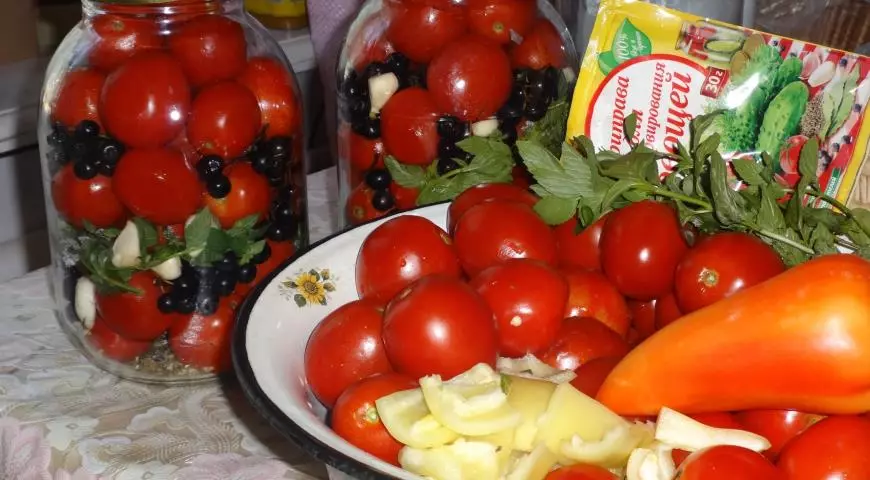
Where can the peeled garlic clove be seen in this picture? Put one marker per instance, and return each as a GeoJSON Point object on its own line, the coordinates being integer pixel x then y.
{"type": "Point", "coordinates": [125, 250]}
{"type": "Point", "coordinates": [381, 88]}
{"type": "Point", "coordinates": [169, 270]}
{"type": "Point", "coordinates": [822, 75]}
{"type": "Point", "coordinates": [484, 128]}
{"type": "Point", "coordinates": [86, 302]}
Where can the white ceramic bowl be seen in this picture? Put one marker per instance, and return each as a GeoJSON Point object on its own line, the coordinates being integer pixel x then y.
{"type": "Point", "coordinates": [272, 330]}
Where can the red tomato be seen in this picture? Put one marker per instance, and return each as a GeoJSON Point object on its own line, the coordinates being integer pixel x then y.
{"type": "Point", "coordinates": [359, 208]}
{"type": "Point", "coordinates": [370, 44]}
{"type": "Point", "coordinates": [158, 185]}
{"type": "Point", "coordinates": [830, 449]}
{"type": "Point", "coordinates": [365, 153]}
{"type": "Point", "coordinates": [470, 79]}
{"type": "Point", "coordinates": [420, 31]}
{"type": "Point", "coordinates": [581, 472]}
{"type": "Point", "coordinates": [401, 251]}
{"type": "Point", "coordinates": [643, 317]}
{"type": "Point", "coordinates": [211, 48]}
{"type": "Point", "coordinates": [148, 113]}
{"type": "Point", "coordinates": [406, 198]}
{"type": "Point", "coordinates": [273, 87]}
{"type": "Point", "coordinates": [777, 426]}
{"type": "Point", "coordinates": [224, 120]}
{"type": "Point", "coordinates": [114, 346]}
{"type": "Point", "coordinates": [345, 348]}
{"type": "Point", "coordinates": [491, 232]}
{"type": "Point", "coordinates": [249, 195]}
{"type": "Point", "coordinates": [119, 37]}
{"type": "Point", "coordinates": [591, 374]}
{"type": "Point", "coordinates": [408, 126]}
{"type": "Point", "coordinates": [135, 316]}
{"type": "Point", "coordinates": [78, 97]}
{"type": "Point", "coordinates": [581, 340]}
{"type": "Point", "coordinates": [720, 266]}
{"type": "Point", "coordinates": [592, 295]}
{"type": "Point", "coordinates": [521, 177]}
{"type": "Point", "coordinates": [79, 201]}
{"type": "Point", "coordinates": [355, 416]}
{"type": "Point", "coordinates": [497, 19]}
{"type": "Point", "coordinates": [526, 297]}
{"type": "Point", "coordinates": [203, 341]}
{"type": "Point", "coordinates": [484, 193]}
{"type": "Point", "coordinates": [542, 47]}
{"type": "Point", "coordinates": [641, 245]}
{"type": "Point", "coordinates": [667, 311]}
{"type": "Point", "coordinates": [580, 250]}
{"type": "Point", "coordinates": [439, 325]}
{"type": "Point", "coordinates": [728, 463]}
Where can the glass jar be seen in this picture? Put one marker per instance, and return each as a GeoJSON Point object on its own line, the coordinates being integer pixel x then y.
{"type": "Point", "coordinates": [434, 94]}
{"type": "Point", "coordinates": [171, 141]}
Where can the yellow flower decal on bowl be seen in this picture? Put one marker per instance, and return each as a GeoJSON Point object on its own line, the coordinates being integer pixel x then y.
{"type": "Point", "coordinates": [308, 288]}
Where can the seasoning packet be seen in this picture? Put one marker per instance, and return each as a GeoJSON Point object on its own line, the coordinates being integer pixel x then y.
{"type": "Point", "coordinates": [667, 67]}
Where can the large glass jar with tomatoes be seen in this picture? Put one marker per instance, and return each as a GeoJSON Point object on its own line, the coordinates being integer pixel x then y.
{"type": "Point", "coordinates": [172, 153]}
{"type": "Point", "coordinates": [434, 94]}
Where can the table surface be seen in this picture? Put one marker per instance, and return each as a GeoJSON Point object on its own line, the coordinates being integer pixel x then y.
{"type": "Point", "coordinates": [61, 418]}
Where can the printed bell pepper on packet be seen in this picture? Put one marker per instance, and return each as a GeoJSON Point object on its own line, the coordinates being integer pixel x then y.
{"type": "Point", "coordinates": [668, 67]}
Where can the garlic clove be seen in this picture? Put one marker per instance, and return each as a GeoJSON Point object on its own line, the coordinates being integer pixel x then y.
{"type": "Point", "coordinates": [169, 270]}
{"type": "Point", "coordinates": [381, 89]}
{"type": "Point", "coordinates": [86, 302]}
{"type": "Point", "coordinates": [125, 250]}
{"type": "Point", "coordinates": [484, 128]}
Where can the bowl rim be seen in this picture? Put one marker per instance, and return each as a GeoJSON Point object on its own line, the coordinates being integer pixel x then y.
{"type": "Point", "coordinates": [257, 398]}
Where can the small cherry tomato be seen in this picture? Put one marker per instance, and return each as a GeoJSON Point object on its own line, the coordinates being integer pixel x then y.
{"type": "Point", "coordinates": [355, 417]}
{"type": "Point", "coordinates": [439, 325]}
{"type": "Point", "coordinates": [720, 266]}
{"type": "Point", "coordinates": [711, 419]}
{"type": "Point", "coordinates": [344, 348]}
{"type": "Point", "coordinates": [667, 311]}
{"type": "Point", "coordinates": [135, 316]}
{"type": "Point", "coordinates": [830, 449]}
{"type": "Point", "coordinates": [483, 193]}
{"type": "Point", "coordinates": [471, 78]}
{"type": "Point", "coordinates": [777, 426]}
{"type": "Point", "coordinates": [365, 153]}
{"type": "Point", "coordinates": [591, 375]}
{"type": "Point", "coordinates": [270, 82]}
{"type": "Point", "coordinates": [146, 113]}
{"type": "Point", "coordinates": [79, 201]}
{"type": "Point", "coordinates": [370, 43]}
{"type": "Point", "coordinates": [211, 48]}
{"type": "Point", "coordinates": [498, 19]}
{"type": "Point", "coordinates": [643, 318]}
{"type": "Point", "coordinates": [78, 97]}
{"type": "Point", "coordinates": [592, 295]}
{"type": "Point", "coordinates": [641, 245]}
{"type": "Point", "coordinates": [114, 346]}
{"type": "Point", "coordinates": [158, 185]}
{"type": "Point", "coordinates": [249, 195]}
{"type": "Point", "coordinates": [542, 47]}
{"type": "Point", "coordinates": [580, 249]}
{"type": "Point", "coordinates": [581, 340]}
{"type": "Point", "coordinates": [408, 126]}
{"type": "Point", "coordinates": [119, 37]}
{"type": "Point", "coordinates": [581, 472]}
{"type": "Point", "coordinates": [203, 341]}
{"type": "Point", "coordinates": [406, 198]}
{"type": "Point", "coordinates": [420, 31]}
{"type": "Point", "coordinates": [401, 251]}
{"type": "Point", "coordinates": [728, 462]}
{"type": "Point", "coordinates": [224, 120]}
{"type": "Point", "coordinates": [526, 297]}
{"type": "Point", "coordinates": [491, 232]}
{"type": "Point", "coordinates": [360, 206]}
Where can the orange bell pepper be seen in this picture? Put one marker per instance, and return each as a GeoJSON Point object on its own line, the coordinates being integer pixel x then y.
{"type": "Point", "coordinates": [800, 340]}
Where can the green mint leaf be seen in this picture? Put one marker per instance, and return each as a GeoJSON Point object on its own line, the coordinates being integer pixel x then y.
{"type": "Point", "coordinates": [586, 216]}
{"type": "Point", "coordinates": [808, 163]}
{"type": "Point", "coordinates": [861, 217]}
{"type": "Point", "coordinates": [197, 231]}
{"type": "Point", "coordinates": [748, 170]}
{"type": "Point", "coordinates": [437, 191]}
{"type": "Point", "coordinates": [607, 62]}
{"type": "Point", "coordinates": [638, 165]}
{"type": "Point", "coordinates": [217, 245]}
{"type": "Point", "coordinates": [252, 251]}
{"type": "Point", "coordinates": [616, 191]}
{"type": "Point", "coordinates": [481, 146]}
{"type": "Point", "coordinates": [768, 167]}
{"type": "Point", "coordinates": [408, 176]}
{"type": "Point", "coordinates": [790, 256]}
{"type": "Point", "coordinates": [147, 233]}
{"type": "Point", "coordinates": [492, 164]}
{"type": "Point", "coordinates": [629, 126]}
{"type": "Point", "coordinates": [698, 128]}
{"type": "Point", "coordinates": [822, 240]}
{"type": "Point", "coordinates": [729, 208]}
{"type": "Point", "coordinates": [853, 230]}
{"type": "Point", "coordinates": [550, 130]}
{"type": "Point", "coordinates": [635, 196]}
{"type": "Point", "coordinates": [555, 210]}
{"type": "Point", "coordinates": [552, 175]}
{"type": "Point", "coordinates": [243, 226]}
{"type": "Point", "coordinates": [769, 213]}
{"type": "Point", "coordinates": [629, 42]}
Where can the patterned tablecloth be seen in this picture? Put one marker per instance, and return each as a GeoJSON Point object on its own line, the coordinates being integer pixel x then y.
{"type": "Point", "coordinates": [63, 419]}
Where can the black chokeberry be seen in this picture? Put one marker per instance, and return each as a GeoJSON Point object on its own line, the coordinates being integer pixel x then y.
{"type": "Point", "coordinates": [535, 110]}
{"type": "Point", "coordinates": [185, 285]}
{"type": "Point", "coordinates": [513, 108]}
{"type": "Point", "coordinates": [81, 150]}
{"type": "Point", "coordinates": [209, 166]}
{"type": "Point", "coordinates": [230, 263]}
{"type": "Point", "coordinates": [509, 132]}
{"type": "Point", "coordinates": [218, 186]}
{"type": "Point", "coordinates": [413, 79]}
{"type": "Point", "coordinates": [110, 151]}
{"type": "Point", "coordinates": [521, 76]}
{"type": "Point", "coordinates": [264, 254]}
{"type": "Point", "coordinates": [398, 63]}
{"type": "Point", "coordinates": [379, 179]}
{"type": "Point", "coordinates": [59, 137]}
{"type": "Point", "coordinates": [451, 128]}
{"type": "Point", "coordinates": [59, 156]}
{"type": "Point", "coordinates": [358, 108]}
{"type": "Point", "coordinates": [279, 147]}
{"type": "Point", "coordinates": [277, 169]}
{"type": "Point", "coordinates": [87, 129]}
{"type": "Point", "coordinates": [278, 233]}
{"type": "Point", "coordinates": [224, 284]}
{"type": "Point", "coordinates": [166, 304]}
{"type": "Point", "coordinates": [260, 162]}
{"type": "Point", "coordinates": [85, 170]}
{"type": "Point", "coordinates": [446, 165]}
{"type": "Point", "coordinates": [367, 126]}
{"type": "Point", "coordinates": [247, 273]}
{"type": "Point", "coordinates": [383, 200]}
{"type": "Point", "coordinates": [449, 150]}
{"type": "Point", "coordinates": [374, 69]}
{"type": "Point", "coordinates": [207, 304]}
{"type": "Point", "coordinates": [354, 87]}
{"type": "Point", "coordinates": [283, 214]}
{"type": "Point", "coordinates": [551, 83]}
{"type": "Point", "coordinates": [186, 305]}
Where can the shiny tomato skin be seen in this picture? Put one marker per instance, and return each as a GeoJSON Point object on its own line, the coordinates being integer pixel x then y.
{"type": "Point", "coordinates": [365, 153]}
{"type": "Point", "coordinates": [641, 245]}
{"type": "Point", "coordinates": [470, 78]}
{"type": "Point", "coordinates": [150, 113]}
{"type": "Point", "coordinates": [158, 185]}
{"type": "Point", "coordinates": [526, 297]}
{"type": "Point", "coordinates": [211, 48]}
{"type": "Point", "coordinates": [273, 87]}
{"type": "Point", "coordinates": [78, 97]}
{"type": "Point", "coordinates": [541, 47]}
{"type": "Point", "coordinates": [79, 201]}
{"type": "Point", "coordinates": [135, 316]}
{"type": "Point", "coordinates": [344, 348]}
{"type": "Point", "coordinates": [114, 346]}
{"type": "Point", "coordinates": [591, 375]}
{"type": "Point", "coordinates": [203, 341]}
{"type": "Point", "coordinates": [581, 472]}
{"type": "Point", "coordinates": [833, 448]}
{"type": "Point", "coordinates": [643, 318]}
{"type": "Point", "coordinates": [401, 251]}
{"type": "Point", "coordinates": [581, 340]}
{"type": "Point", "coordinates": [359, 208]}
{"type": "Point", "coordinates": [421, 31]}
{"type": "Point", "coordinates": [249, 195]}
{"type": "Point", "coordinates": [492, 232]}
{"type": "Point", "coordinates": [355, 416]}
{"type": "Point", "coordinates": [406, 198]}
{"type": "Point", "coordinates": [224, 120]}
{"type": "Point", "coordinates": [119, 37]}
{"type": "Point", "coordinates": [580, 250]}
{"type": "Point", "coordinates": [370, 43]}
{"type": "Point", "coordinates": [720, 266]}
{"type": "Point", "coordinates": [497, 19]}
{"type": "Point", "coordinates": [439, 325]}
{"type": "Point", "coordinates": [777, 426]}
{"type": "Point", "coordinates": [728, 462]}
{"type": "Point", "coordinates": [667, 311]}
{"type": "Point", "coordinates": [592, 295]}
{"type": "Point", "coordinates": [483, 193]}
{"type": "Point", "coordinates": [408, 126]}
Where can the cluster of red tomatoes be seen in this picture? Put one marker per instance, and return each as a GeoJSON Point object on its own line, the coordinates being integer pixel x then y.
{"type": "Point", "coordinates": [500, 282]}
{"type": "Point", "coordinates": [442, 66]}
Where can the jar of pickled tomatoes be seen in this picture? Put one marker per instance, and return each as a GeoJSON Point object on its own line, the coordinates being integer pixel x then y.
{"type": "Point", "coordinates": [434, 94]}
{"type": "Point", "coordinates": [172, 152]}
